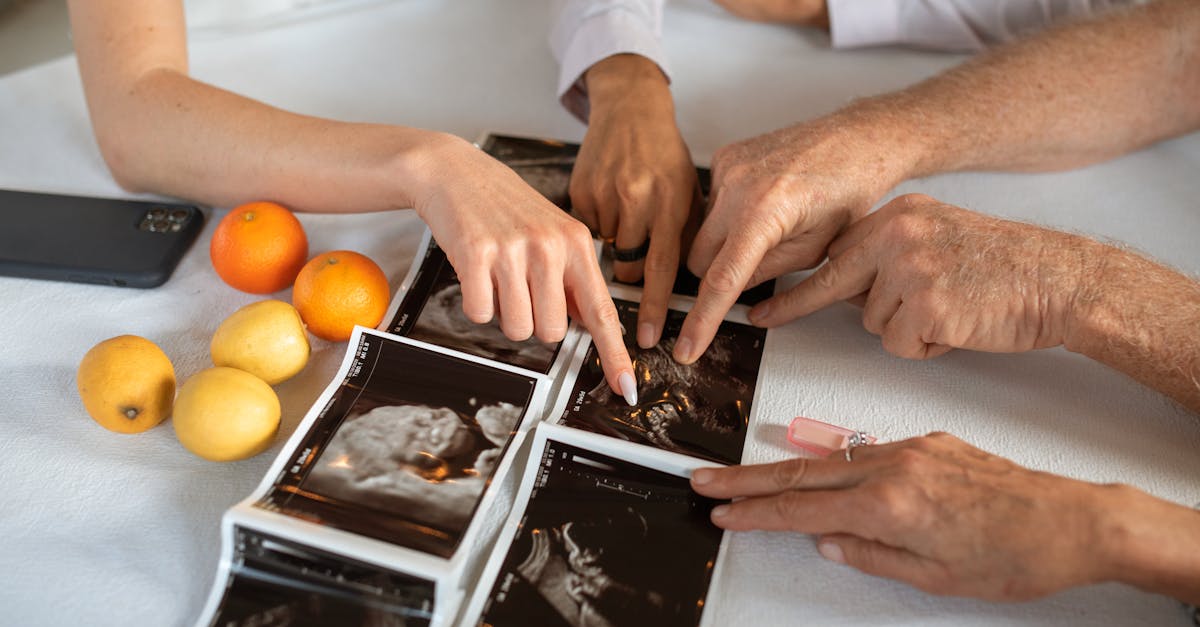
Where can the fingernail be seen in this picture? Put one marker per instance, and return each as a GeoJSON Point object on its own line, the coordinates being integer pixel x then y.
{"type": "Point", "coordinates": [701, 476]}
{"type": "Point", "coordinates": [683, 350]}
{"type": "Point", "coordinates": [628, 388]}
{"type": "Point", "coordinates": [759, 312]}
{"type": "Point", "coordinates": [645, 336]}
{"type": "Point", "coordinates": [720, 511]}
{"type": "Point", "coordinates": [831, 552]}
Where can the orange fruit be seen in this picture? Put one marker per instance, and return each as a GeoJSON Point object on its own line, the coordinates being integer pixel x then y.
{"type": "Point", "coordinates": [259, 247]}
{"type": "Point", "coordinates": [337, 290]}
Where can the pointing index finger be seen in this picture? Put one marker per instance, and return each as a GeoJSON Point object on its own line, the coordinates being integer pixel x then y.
{"type": "Point", "coordinates": [720, 287]}
{"type": "Point", "coordinates": [599, 316]}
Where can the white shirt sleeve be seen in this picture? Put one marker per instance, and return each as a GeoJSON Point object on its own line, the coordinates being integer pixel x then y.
{"type": "Point", "coordinates": [588, 31]}
{"type": "Point", "coordinates": [950, 24]}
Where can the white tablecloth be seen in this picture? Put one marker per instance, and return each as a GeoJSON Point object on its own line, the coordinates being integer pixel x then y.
{"type": "Point", "coordinates": [103, 529]}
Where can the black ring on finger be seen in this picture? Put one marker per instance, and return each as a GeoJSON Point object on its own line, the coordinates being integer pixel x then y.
{"type": "Point", "coordinates": [631, 254]}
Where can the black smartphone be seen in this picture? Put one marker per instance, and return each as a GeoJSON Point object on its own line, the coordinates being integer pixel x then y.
{"type": "Point", "coordinates": [107, 241]}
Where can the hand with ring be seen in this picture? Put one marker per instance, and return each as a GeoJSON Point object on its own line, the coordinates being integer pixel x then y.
{"type": "Point", "coordinates": [951, 519]}
{"type": "Point", "coordinates": [634, 180]}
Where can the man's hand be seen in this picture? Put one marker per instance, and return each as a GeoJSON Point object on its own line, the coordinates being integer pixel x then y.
{"type": "Point", "coordinates": [936, 277]}
{"type": "Point", "coordinates": [777, 202]}
{"type": "Point", "coordinates": [512, 248]}
{"type": "Point", "coordinates": [951, 519]}
{"type": "Point", "coordinates": [800, 12]}
{"type": "Point", "coordinates": [633, 179]}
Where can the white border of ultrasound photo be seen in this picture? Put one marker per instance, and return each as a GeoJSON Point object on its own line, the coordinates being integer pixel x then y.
{"type": "Point", "coordinates": [447, 573]}
{"type": "Point", "coordinates": [630, 293]}
{"type": "Point", "coordinates": [448, 599]}
{"type": "Point", "coordinates": [664, 461]}
{"type": "Point", "coordinates": [560, 360]}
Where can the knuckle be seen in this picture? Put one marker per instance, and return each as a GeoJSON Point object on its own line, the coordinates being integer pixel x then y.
{"type": "Point", "coordinates": [578, 234]}
{"type": "Point", "coordinates": [789, 474]}
{"type": "Point", "coordinates": [633, 187]}
{"type": "Point", "coordinates": [605, 315]}
{"type": "Point", "coordinates": [783, 506]}
{"type": "Point", "coordinates": [723, 279]}
{"type": "Point", "coordinates": [909, 226]}
{"type": "Point", "coordinates": [912, 459]}
{"type": "Point", "coordinates": [826, 277]}
{"type": "Point", "coordinates": [909, 201]}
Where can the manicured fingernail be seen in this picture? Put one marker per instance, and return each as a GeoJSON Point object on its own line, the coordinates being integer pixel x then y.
{"type": "Point", "coordinates": [628, 388]}
{"type": "Point", "coordinates": [720, 511]}
{"type": "Point", "coordinates": [683, 350]}
{"type": "Point", "coordinates": [645, 335]}
{"type": "Point", "coordinates": [831, 552]}
{"type": "Point", "coordinates": [759, 312]}
{"type": "Point", "coordinates": [701, 476]}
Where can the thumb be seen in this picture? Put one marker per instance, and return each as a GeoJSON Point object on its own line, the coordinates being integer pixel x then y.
{"type": "Point", "coordinates": [881, 560]}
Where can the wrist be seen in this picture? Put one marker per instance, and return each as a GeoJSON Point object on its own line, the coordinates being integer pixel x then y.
{"type": "Point", "coordinates": [627, 78]}
{"type": "Point", "coordinates": [889, 150]}
{"type": "Point", "coordinates": [1091, 320]}
{"type": "Point", "coordinates": [1147, 542]}
{"type": "Point", "coordinates": [424, 165]}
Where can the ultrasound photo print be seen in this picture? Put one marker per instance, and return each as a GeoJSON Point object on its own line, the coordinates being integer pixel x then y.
{"type": "Point", "coordinates": [701, 410]}
{"type": "Point", "coordinates": [432, 312]}
{"type": "Point", "coordinates": [544, 164]}
{"type": "Point", "coordinates": [605, 542]}
{"type": "Point", "coordinates": [277, 582]}
{"type": "Point", "coordinates": [406, 446]}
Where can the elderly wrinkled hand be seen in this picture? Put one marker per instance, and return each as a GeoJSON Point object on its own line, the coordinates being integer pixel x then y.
{"type": "Point", "coordinates": [939, 514]}
{"type": "Point", "coordinates": [936, 277]}
{"type": "Point", "coordinates": [777, 201]}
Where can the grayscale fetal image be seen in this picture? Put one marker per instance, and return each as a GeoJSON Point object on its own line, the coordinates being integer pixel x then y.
{"type": "Point", "coordinates": [701, 409]}
{"type": "Point", "coordinates": [406, 446]}
{"type": "Point", "coordinates": [605, 543]}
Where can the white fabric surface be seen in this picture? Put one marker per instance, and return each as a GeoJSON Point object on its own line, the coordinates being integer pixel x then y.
{"type": "Point", "coordinates": [105, 529]}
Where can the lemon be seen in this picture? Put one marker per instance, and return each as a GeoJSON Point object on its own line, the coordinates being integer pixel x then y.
{"type": "Point", "coordinates": [127, 384]}
{"type": "Point", "coordinates": [266, 339]}
{"type": "Point", "coordinates": [225, 414]}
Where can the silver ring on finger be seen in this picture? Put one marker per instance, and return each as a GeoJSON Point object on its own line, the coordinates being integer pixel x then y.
{"type": "Point", "coordinates": [856, 439]}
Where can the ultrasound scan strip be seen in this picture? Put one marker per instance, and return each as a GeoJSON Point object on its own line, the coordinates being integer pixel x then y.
{"type": "Point", "coordinates": [700, 410]}
{"type": "Point", "coordinates": [274, 581]}
{"type": "Point", "coordinates": [601, 541]}
{"type": "Point", "coordinates": [406, 445]}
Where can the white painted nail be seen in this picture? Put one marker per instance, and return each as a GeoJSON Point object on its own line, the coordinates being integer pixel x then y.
{"type": "Point", "coordinates": [628, 388]}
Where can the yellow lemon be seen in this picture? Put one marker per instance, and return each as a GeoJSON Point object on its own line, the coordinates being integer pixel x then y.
{"type": "Point", "coordinates": [266, 339]}
{"type": "Point", "coordinates": [225, 414]}
{"type": "Point", "coordinates": [126, 383]}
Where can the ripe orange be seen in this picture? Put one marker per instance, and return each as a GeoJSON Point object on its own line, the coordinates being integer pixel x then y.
{"type": "Point", "coordinates": [337, 290]}
{"type": "Point", "coordinates": [259, 248]}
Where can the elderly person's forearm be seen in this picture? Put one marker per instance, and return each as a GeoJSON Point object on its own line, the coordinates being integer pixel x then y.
{"type": "Point", "coordinates": [1141, 318]}
{"type": "Point", "coordinates": [1058, 100]}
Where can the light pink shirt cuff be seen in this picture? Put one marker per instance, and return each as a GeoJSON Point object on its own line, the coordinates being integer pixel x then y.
{"type": "Point", "coordinates": [597, 37]}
